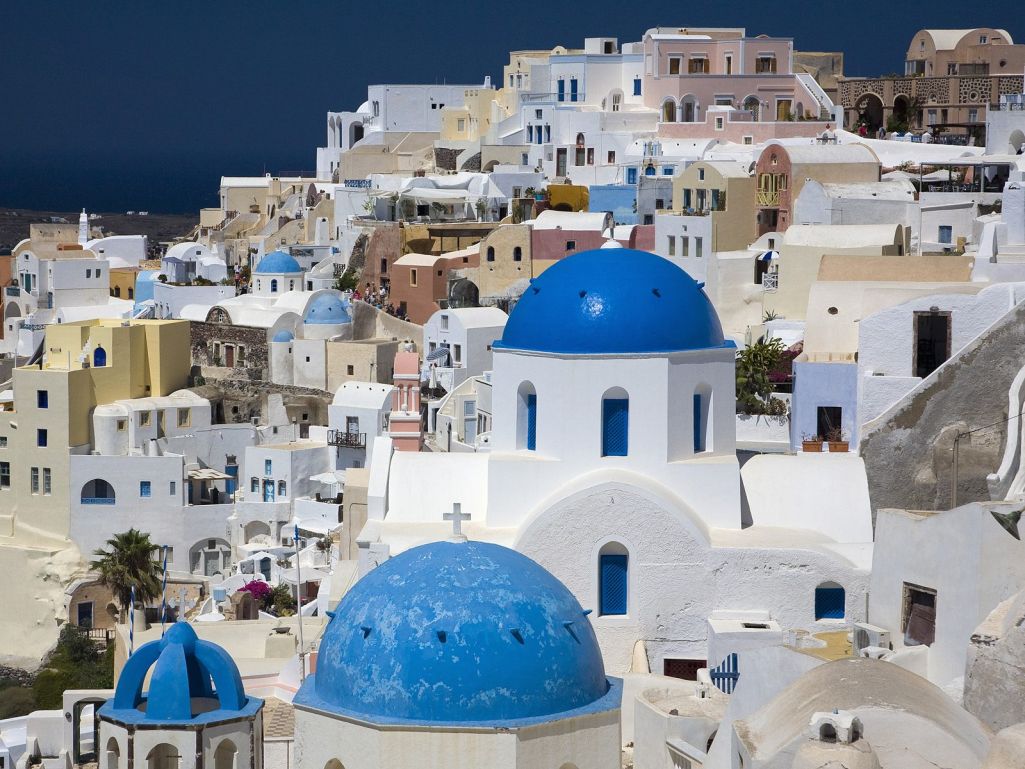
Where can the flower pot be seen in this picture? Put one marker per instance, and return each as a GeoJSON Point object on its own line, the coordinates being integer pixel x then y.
{"type": "Point", "coordinates": [839, 446]}
{"type": "Point", "coordinates": [813, 446]}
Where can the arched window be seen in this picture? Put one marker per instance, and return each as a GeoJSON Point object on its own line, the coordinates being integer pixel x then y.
{"type": "Point", "coordinates": [225, 755]}
{"type": "Point", "coordinates": [830, 601]}
{"type": "Point", "coordinates": [669, 111]}
{"type": "Point", "coordinates": [526, 417]}
{"type": "Point", "coordinates": [163, 756]}
{"type": "Point", "coordinates": [99, 357]}
{"type": "Point", "coordinates": [274, 286]}
{"type": "Point", "coordinates": [117, 291]}
{"type": "Point", "coordinates": [113, 754]}
{"type": "Point", "coordinates": [615, 423]}
{"type": "Point", "coordinates": [97, 492]}
{"type": "Point", "coordinates": [491, 253]}
{"type": "Point", "coordinates": [517, 254]}
{"type": "Point", "coordinates": [580, 140]}
{"type": "Point", "coordinates": [613, 580]}
{"type": "Point", "coordinates": [702, 421]}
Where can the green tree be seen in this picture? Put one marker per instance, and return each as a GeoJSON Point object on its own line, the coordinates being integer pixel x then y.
{"type": "Point", "coordinates": [129, 562]}
{"type": "Point", "coordinates": [348, 281]}
{"type": "Point", "coordinates": [282, 601]}
{"type": "Point", "coordinates": [754, 364]}
{"type": "Point", "coordinates": [75, 663]}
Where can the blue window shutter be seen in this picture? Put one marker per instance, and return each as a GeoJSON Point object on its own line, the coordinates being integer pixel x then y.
{"type": "Point", "coordinates": [699, 431]}
{"type": "Point", "coordinates": [562, 90]}
{"type": "Point", "coordinates": [726, 674]}
{"type": "Point", "coordinates": [531, 422]}
{"type": "Point", "coordinates": [637, 86]}
{"type": "Point", "coordinates": [615, 427]}
{"type": "Point", "coordinates": [613, 587]}
{"type": "Point", "coordinates": [829, 603]}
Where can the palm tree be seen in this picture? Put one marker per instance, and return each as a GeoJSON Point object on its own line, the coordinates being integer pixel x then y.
{"type": "Point", "coordinates": [129, 562]}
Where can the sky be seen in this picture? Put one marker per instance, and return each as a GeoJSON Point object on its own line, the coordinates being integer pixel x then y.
{"type": "Point", "coordinates": [144, 105]}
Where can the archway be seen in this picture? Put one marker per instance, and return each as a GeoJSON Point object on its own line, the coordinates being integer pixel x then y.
{"type": "Point", "coordinates": [163, 756]}
{"type": "Point", "coordinates": [225, 755]}
{"type": "Point", "coordinates": [463, 293]}
{"type": "Point", "coordinates": [209, 556]}
{"type": "Point", "coordinates": [669, 111]}
{"type": "Point", "coordinates": [869, 109]}
{"type": "Point", "coordinates": [688, 109]}
{"type": "Point", "coordinates": [113, 754]}
{"type": "Point", "coordinates": [255, 529]}
{"type": "Point", "coordinates": [827, 732]}
{"type": "Point", "coordinates": [12, 310]}
{"type": "Point", "coordinates": [355, 133]}
{"type": "Point", "coordinates": [901, 118]}
{"type": "Point", "coordinates": [830, 601]}
{"type": "Point", "coordinates": [97, 492]}
{"type": "Point", "coordinates": [1015, 142]}
{"type": "Point", "coordinates": [754, 106]}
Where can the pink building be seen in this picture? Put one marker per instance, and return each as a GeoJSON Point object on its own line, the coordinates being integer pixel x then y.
{"type": "Point", "coordinates": [685, 74]}
{"type": "Point", "coordinates": [404, 426]}
{"type": "Point", "coordinates": [740, 127]}
{"type": "Point", "coordinates": [558, 234]}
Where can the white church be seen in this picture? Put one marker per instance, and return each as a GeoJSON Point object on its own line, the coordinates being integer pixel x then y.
{"type": "Point", "coordinates": [614, 466]}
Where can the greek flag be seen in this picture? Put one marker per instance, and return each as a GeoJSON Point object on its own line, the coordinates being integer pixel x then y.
{"type": "Point", "coordinates": [163, 595]}
{"type": "Point", "coordinates": [131, 623]}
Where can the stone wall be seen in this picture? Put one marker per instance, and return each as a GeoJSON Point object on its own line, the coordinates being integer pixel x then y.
{"type": "Point", "coordinates": [445, 158]}
{"type": "Point", "coordinates": [256, 364]}
{"type": "Point", "coordinates": [908, 449]}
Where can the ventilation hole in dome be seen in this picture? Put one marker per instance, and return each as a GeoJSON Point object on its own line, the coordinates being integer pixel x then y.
{"type": "Point", "coordinates": [656, 292]}
{"type": "Point", "coordinates": [366, 630]}
{"type": "Point", "coordinates": [587, 611]}
{"type": "Point", "coordinates": [568, 624]}
{"type": "Point", "coordinates": [442, 636]}
{"type": "Point", "coordinates": [536, 289]}
{"type": "Point", "coordinates": [517, 634]}
{"type": "Point", "coordinates": [583, 294]}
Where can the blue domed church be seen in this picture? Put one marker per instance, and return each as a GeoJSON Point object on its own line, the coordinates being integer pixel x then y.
{"type": "Point", "coordinates": [458, 654]}
{"type": "Point", "coordinates": [613, 464]}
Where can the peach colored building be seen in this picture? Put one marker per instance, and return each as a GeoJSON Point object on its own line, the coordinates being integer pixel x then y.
{"type": "Point", "coordinates": [686, 73]}
{"type": "Point", "coordinates": [782, 170]}
{"type": "Point", "coordinates": [421, 282]}
{"type": "Point", "coordinates": [404, 424]}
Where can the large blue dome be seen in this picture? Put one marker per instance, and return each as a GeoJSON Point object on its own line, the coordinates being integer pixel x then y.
{"type": "Point", "coordinates": [458, 632]}
{"type": "Point", "coordinates": [193, 681]}
{"type": "Point", "coordinates": [277, 262]}
{"type": "Point", "coordinates": [327, 309]}
{"type": "Point", "coordinates": [613, 301]}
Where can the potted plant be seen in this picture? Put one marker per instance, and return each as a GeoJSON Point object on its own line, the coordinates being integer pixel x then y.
{"type": "Point", "coordinates": [811, 443]}
{"type": "Point", "coordinates": [837, 440]}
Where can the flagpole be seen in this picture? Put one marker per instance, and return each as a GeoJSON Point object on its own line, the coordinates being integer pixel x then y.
{"type": "Point", "coordinates": [299, 608]}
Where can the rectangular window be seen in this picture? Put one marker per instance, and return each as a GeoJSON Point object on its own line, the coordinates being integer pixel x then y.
{"type": "Point", "coordinates": [571, 245]}
{"type": "Point", "coordinates": [719, 124]}
{"type": "Point", "coordinates": [918, 620]}
{"type": "Point", "coordinates": [973, 116]}
{"type": "Point", "coordinates": [254, 485]}
{"type": "Point", "coordinates": [561, 86]}
{"type": "Point", "coordinates": [668, 170]}
{"type": "Point", "coordinates": [172, 488]}
{"type": "Point", "coordinates": [697, 247]}
{"type": "Point", "coordinates": [537, 114]}
{"type": "Point", "coordinates": [461, 125]}
{"type": "Point", "coordinates": [457, 353]}
{"type": "Point", "coordinates": [145, 489]}
{"type": "Point", "coordinates": [444, 322]}
{"type": "Point", "coordinates": [531, 422]}
{"type": "Point", "coordinates": [674, 65]}
{"type": "Point", "coordinates": [42, 399]}
{"type": "Point", "coordinates": [613, 584]}
{"type": "Point", "coordinates": [350, 370]}
{"type": "Point", "coordinates": [660, 204]}
{"type": "Point", "coordinates": [5, 475]}
{"type": "Point", "coordinates": [697, 66]}
{"type": "Point", "coordinates": [672, 245]}
{"type": "Point", "coordinates": [41, 437]}
{"type": "Point", "coordinates": [47, 485]}
{"type": "Point", "coordinates": [699, 424]}
{"type": "Point", "coordinates": [637, 86]}
{"type": "Point", "coordinates": [631, 176]}
{"type": "Point", "coordinates": [3, 441]}
{"type": "Point", "coordinates": [184, 417]}
{"type": "Point", "coordinates": [282, 489]}
{"type": "Point", "coordinates": [412, 277]}
{"type": "Point", "coordinates": [122, 425]}
{"type": "Point", "coordinates": [684, 246]}
{"type": "Point", "coordinates": [268, 467]}
{"type": "Point", "coordinates": [590, 156]}
{"type": "Point", "coordinates": [144, 418]}
{"type": "Point", "coordinates": [34, 480]}
{"type": "Point", "coordinates": [612, 157]}
{"type": "Point", "coordinates": [573, 89]}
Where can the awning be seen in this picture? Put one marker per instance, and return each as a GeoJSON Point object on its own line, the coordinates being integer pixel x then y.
{"type": "Point", "coordinates": [208, 474]}
{"type": "Point", "coordinates": [440, 354]}
{"type": "Point", "coordinates": [768, 256]}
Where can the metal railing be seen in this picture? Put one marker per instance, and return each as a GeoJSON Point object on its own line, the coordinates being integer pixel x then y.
{"type": "Point", "coordinates": [768, 197]}
{"type": "Point", "coordinates": [770, 281]}
{"type": "Point", "coordinates": [345, 439]}
{"type": "Point", "coordinates": [97, 500]}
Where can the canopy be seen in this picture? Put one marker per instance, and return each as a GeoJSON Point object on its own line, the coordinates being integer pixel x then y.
{"type": "Point", "coordinates": [208, 474]}
{"type": "Point", "coordinates": [437, 355]}
{"type": "Point", "coordinates": [768, 256]}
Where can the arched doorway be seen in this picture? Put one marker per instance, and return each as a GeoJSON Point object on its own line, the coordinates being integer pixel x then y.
{"type": "Point", "coordinates": [163, 756]}
{"type": "Point", "coordinates": [225, 755]}
{"type": "Point", "coordinates": [669, 111]}
{"type": "Point", "coordinates": [869, 110]}
{"type": "Point", "coordinates": [752, 105]}
{"type": "Point", "coordinates": [463, 293]}
{"type": "Point", "coordinates": [688, 109]}
{"type": "Point", "coordinates": [255, 529]}
{"type": "Point", "coordinates": [901, 118]}
{"type": "Point", "coordinates": [355, 133]}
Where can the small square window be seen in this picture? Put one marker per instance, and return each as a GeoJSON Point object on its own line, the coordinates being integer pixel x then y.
{"type": "Point", "coordinates": [122, 425]}
{"type": "Point", "coordinates": [5, 475]}
{"type": "Point", "coordinates": [41, 437]}
{"type": "Point", "coordinates": [145, 489]}
{"type": "Point", "coordinates": [571, 245]}
{"type": "Point", "coordinates": [350, 370]}
{"type": "Point", "coordinates": [3, 441]}
{"type": "Point", "coordinates": [42, 399]}
{"type": "Point", "coordinates": [144, 419]}
{"type": "Point", "coordinates": [184, 417]}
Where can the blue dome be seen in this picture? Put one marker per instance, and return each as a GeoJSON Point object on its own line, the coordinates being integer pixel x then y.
{"type": "Point", "coordinates": [193, 681]}
{"type": "Point", "coordinates": [613, 301]}
{"type": "Point", "coordinates": [277, 262]}
{"type": "Point", "coordinates": [458, 632]}
{"type": "Point", "coordinates": [283, 336]}
{"type": "Point", "coordinates": [327, 309]}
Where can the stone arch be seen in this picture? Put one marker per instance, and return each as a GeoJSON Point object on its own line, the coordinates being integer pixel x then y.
{"type": "Point", "coordinates": [869, 109]}
{"type": "Point", "coordinates": [163, 756]}
{"type": "Point", "coordinates": [226, 755]}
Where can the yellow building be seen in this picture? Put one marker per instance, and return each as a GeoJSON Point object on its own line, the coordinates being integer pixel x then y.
{"type": "Point", "coordinates": [86, 364]}
{"type": "Point", "coordinates": [472, 121]}
{"type": "Point", "coordinates": [122, 282]}
{"type": "Point", "coordinates": [568, 197]}
{"type": "Point", "coordinates": [724, 191]}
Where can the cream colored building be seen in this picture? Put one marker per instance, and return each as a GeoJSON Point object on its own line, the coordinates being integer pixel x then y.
{"type": "Point", "coordinates": [360, 360]}
{"type": "Point", "coordinates": [505, 262]}
{"type": "Point", "coordinates": [724, 191]}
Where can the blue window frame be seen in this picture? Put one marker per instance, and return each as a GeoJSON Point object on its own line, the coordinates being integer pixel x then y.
{"type": "Point", "coordinates": [41, 437]}
{"type": "Point", "coordinates": [667, 170]}
{"type": "Point", "coordinates": [612, 586]}
{"type": "Point", "coordinates": [631, 176]}
{"type": "Point", "coordinates": [829, 602]}
{"type": "Point", "coordinates": [573, 89]}
{"type": "Point", "coordinates": [562, 89]}
{"type": "Point", "coordinates": [267, 467]}
{"type": "Point", "coordinates": [615, 427]}
{"type": "Point", "coordinates": [637, 86]}
{"type": "Point", "coordinates": [532, 422]}
{"type": "Point", "coordinates": [145, 489]}
{"type": "Point", "coordinates": [42, 399]}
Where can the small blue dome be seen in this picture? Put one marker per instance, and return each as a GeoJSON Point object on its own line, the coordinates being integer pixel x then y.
{"type": "Point", "coordinates": [193, 681]}
{"type": "Point", "coordinates": [327, 309]}
{"type": "Point", "coordinates": [458, 632]}
{"type": "Point", "coordinates": [613, 301]}
{"type": "Point", "coordinates": [277, 262]}
{"type": "Point", "coordinates": [283, 336]}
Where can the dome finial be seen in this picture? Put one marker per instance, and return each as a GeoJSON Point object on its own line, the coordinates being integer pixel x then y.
{"type": "Point", "coordinates": [457, 516]}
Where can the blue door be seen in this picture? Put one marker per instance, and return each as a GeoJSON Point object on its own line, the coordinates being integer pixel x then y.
{"type": "Point", "coordinates": [612, 589]}
{"type": "Point", "coordinates": [231, 483]}
{"type": "Point", "coordinates": [573, 89]}
{"type": "Point", "coordinates": [531, 422]}
{"type": "Point", "coordinates": [829, 603]}
{"type": "Point", "coordinates": [615, 427]}
{"type": "Point", "coordinates": [268, 491]}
